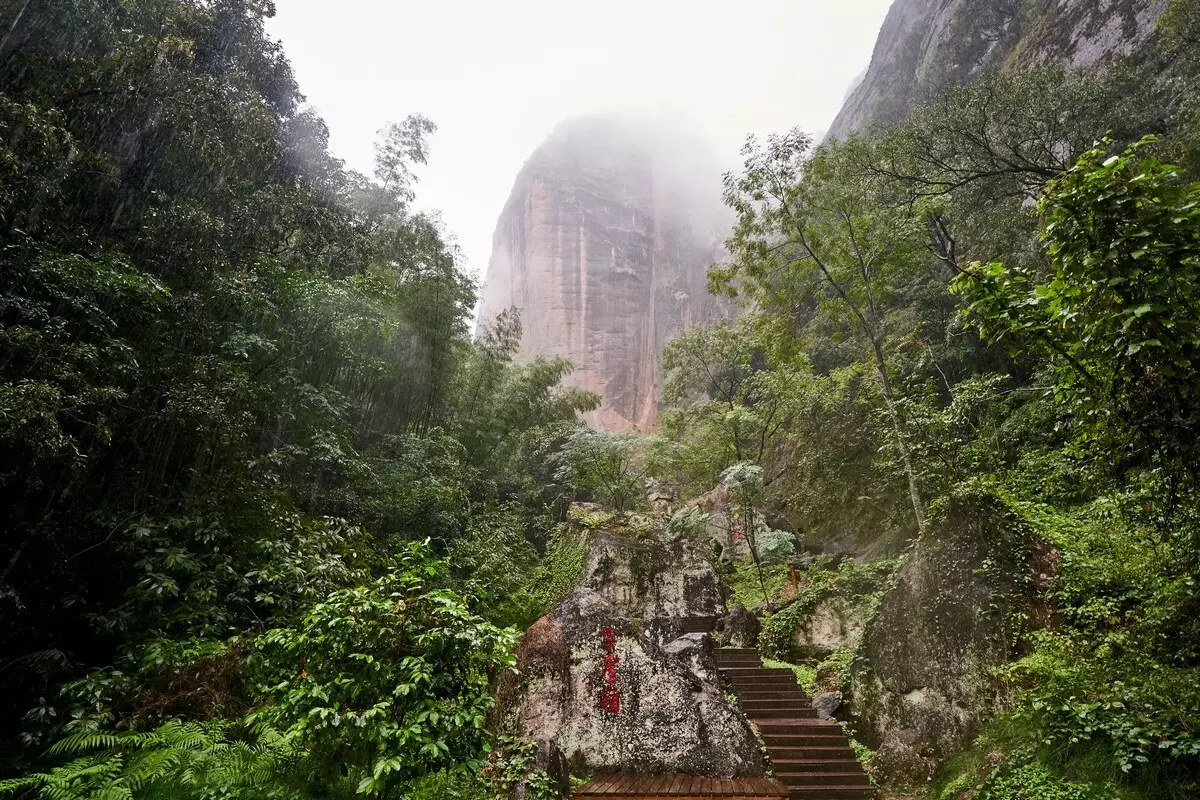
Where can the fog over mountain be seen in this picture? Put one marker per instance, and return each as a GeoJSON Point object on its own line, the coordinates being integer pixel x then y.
{"type": "Point", "coordinates": [603, 246]}
{"type": "Point", "coordinates": [497, 78]}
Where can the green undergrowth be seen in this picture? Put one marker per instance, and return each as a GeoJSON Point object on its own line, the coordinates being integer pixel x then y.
{"type": "Point", "coordinates": [559, 572]}
{"type": "Point", "coordinates": [860, 586]}
{"type": "Point", "coordinates": [1107, 704]}
{"type": "Point", "coordinates": [745, 589]}
{"type": "Point", "coordinates": [1006, 763]}
{"type": "Point", "coordinates": [806, 676]}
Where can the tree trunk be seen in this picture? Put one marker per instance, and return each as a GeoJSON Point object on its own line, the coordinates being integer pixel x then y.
{"type": "Point", "coordinates": [914, 490]}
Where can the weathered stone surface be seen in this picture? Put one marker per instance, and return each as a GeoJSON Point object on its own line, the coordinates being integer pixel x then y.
{"type": "Point", "coordinates": [549, 760]}
{"type": "Point", "coordinates": [904, 759]}
{"type": "Point", "coordinates": [695, 650]}
{"type": "Point", "coordinates": [668, 717]}
{"type": "Point", "coordinates": [719, 525]}
{"type": "Point", "coordinates": [833, 624]}
{"type": "Point", "coordinates": [925, 45]}
{"type": "Point", "coordinates": [604, 246]}
{"type": "Point", "coordinates": [928, 657]}
{"type": "Point", "coordinates": [826, 704]}
{"type": "Point", "coordinates": [740, 628]}
{"type": "Point", "coordinates": [650, 576]}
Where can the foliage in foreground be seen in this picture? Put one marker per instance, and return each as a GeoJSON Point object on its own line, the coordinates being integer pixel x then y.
{"type": "Point", "coordinates": [922, 322]}
{"type": "Point", "coordinates": [376, 686]}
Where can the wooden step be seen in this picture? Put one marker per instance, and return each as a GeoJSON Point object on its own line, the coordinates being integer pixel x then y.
{"type": "Point", "coordinates": [812, 758]}
{"type": "Point", "coordinates": [780, 693]}
{"type": "Point", "coordinates": [759, 684]}
{"type": "Point", "coordinates": [799, 727]}
{"type": "Point", "coordinates": [820, 752]}
{"type": "Point", "coordinates": [758, 671]}
{"type": "Point", "coordinates": [778, 709]}
{"type": "Point", "coordinates": [831, 793]}
{"type": "Point", "coordinates": [744, 681]}
{"type": "Point", "coordinates": [832, 763]}
{"type": "Point", "coordinates": [680, 787]}
{"type": "Point", "coordinates": [798, 779]}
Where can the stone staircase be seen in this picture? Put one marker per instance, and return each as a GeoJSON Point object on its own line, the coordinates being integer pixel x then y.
{"type": "Point", "coordinates": [811, 757]}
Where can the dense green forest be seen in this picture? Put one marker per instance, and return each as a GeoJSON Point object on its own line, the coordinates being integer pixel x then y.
{"type": "Point", "coordinates": [273, 519]}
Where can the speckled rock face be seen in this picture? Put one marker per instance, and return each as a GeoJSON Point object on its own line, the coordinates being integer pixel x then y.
{"type": "Point", "coordinates": [605, 693]}
{"type": "Point", "coordinates": [925, 679]}
{"type": "Point", "coordinates": [604, 247]}
{"type": "Point", "coordinates": [651, 577]}
{"type": "Point", "coordinates": [925, 45]}
{"type": "Point", "coordinates": [832, 625]}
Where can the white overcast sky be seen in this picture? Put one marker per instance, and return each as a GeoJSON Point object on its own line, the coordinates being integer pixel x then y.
{"type": "Point", "coordinates": [497, 75]}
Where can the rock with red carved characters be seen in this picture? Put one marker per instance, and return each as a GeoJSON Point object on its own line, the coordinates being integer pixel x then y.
{"type": "Point", "coordinates": [606, 693]}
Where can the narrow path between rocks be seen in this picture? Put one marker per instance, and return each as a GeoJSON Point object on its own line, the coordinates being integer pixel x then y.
{"type": "Point", "coordinates": [810, 756]}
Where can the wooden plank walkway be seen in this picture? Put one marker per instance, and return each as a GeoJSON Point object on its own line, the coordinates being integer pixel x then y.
{"type": "Point", "coordinates": [680, 787]}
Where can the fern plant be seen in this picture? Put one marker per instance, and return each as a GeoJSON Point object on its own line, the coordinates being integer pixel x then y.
{"type": "Point", "coordinates": [178, 759]}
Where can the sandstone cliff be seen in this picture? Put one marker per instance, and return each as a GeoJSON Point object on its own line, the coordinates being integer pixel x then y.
{"type": "Point", "coordinates": [925, 45]}
{"type": "Point", "coordinates": [603, 246]}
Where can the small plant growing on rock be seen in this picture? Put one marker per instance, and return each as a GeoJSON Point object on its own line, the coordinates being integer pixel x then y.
{"type": "Point", "coordinates": [744, 482]}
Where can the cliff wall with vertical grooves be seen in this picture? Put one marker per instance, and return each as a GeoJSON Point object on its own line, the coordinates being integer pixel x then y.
{"type": "Point", "coordinates": [604, 246]}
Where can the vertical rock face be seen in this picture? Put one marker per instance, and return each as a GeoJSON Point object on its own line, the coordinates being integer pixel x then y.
{"type": "Point", "coordinates": [604, 246]}
{"type": "Point", "coordinates": [925, 45]}
{"type": "Point", "coordinates": [925, 678]}
{"type": "Point", "coordinates": [607, 680]}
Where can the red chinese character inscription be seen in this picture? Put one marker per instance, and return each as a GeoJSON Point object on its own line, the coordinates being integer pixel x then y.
{"type": "Point", "coordinates": [610, 693]}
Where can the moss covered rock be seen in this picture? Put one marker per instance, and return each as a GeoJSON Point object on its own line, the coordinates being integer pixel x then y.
{"type": "Point", "coordinates": [644, 573]}
{"type": "Point", "coordinates": [925, 677]}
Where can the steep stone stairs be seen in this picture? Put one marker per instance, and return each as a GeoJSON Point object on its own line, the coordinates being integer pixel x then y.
{"type": "Point", "coordinates": [811, 757]}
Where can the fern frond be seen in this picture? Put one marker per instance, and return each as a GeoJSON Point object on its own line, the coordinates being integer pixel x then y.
{"type": "Point", "coordinates": [12, 785]}
{"type": "Point", "coordinates": [77, 744]}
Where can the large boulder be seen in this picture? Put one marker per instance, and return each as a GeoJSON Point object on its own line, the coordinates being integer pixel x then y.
{"type": "Point", "coordinates": [925, 679]}
{"type": "Point", "coordinates": [596, 684]}
{"type": "Point", "coordinates": [650, 576]}
{"type": "Point", "coordinates": [740, 628]}
{"type": "Point", "coordinates": [834, 624]}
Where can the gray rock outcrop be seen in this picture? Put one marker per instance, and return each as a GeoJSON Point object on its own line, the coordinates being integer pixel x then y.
{"type": "Point", "coordinates": [649, 577]}
{"type": "Point", "coordinates": [833, 624]}
{"type": "Point", "coordinates": [926, 45]}
{"type": "Point", "coordinates": [740, 628]}
{"type": "Point", "coordinates": [604, 247]}
{"type": "Point", "coordinates": [925, 679]}
{"type": "Point", "coordinates": [607, 695]}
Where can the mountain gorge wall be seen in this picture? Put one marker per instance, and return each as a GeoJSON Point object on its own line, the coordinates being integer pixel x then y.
{"type": "Point", "coordinates": [926, 45]}
{"type": "Point", "coordinates": [604, 247]}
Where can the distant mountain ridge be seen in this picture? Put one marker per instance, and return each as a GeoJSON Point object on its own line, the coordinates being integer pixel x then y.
{"type": "Point", "coordinates": [926, 45]}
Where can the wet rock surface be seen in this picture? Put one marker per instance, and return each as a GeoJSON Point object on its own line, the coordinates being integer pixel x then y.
{"type": "Point", "coordinates": [826, 704]}
{"type": "Point", "coordinates": [604, 692]}
{"type": "Point", "coordinates": [740, 628]}
{"type": "Point", "coordinates": [833, 624]}
{"type": "Point", "coordinates": [925, 678]}
{"type": "Point", "coordinates": [651, 576]}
